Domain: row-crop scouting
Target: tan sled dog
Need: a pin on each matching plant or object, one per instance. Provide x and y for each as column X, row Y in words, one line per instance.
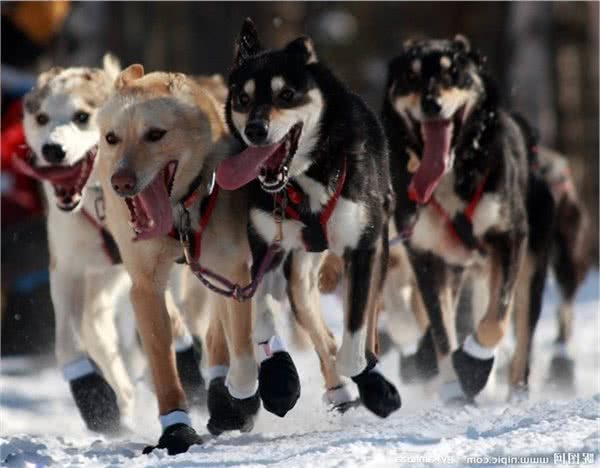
column 161, row 139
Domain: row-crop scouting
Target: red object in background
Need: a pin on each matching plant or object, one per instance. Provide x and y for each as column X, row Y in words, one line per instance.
column 20, row 195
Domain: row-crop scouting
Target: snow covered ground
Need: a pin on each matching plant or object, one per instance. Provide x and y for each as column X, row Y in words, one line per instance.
column 40, row 426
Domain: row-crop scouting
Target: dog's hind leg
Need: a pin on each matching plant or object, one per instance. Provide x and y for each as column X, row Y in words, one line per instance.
column 226, row 412
column 102, row 287
column 304, row 280
column 474, row 360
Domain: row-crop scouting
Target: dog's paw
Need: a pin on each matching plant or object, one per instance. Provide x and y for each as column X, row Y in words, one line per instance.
column 278, row 383
column 188, row 367
column 473, row 373
column 562, row 373
column 177, row 438
column 228, row 413
column 340, row 399
column 97, row 403
column 376, row 393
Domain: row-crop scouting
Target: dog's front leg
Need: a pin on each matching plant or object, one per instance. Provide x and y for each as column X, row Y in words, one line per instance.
column 101, row 336
column 474, row 360
column 362, row 286
column 278, row 379
column 437, row 341
column 154, row 326
column 95, row 399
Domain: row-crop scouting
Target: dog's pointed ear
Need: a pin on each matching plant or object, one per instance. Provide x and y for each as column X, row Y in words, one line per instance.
column 461, row 43
column 111, row 66
column 131, row 73
column 247, row 43
column 45, row 77
column 304, row 47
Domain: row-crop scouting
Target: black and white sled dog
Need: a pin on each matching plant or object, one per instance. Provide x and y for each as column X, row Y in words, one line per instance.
column 317, row 161
column 469, row 206
column 85, row 272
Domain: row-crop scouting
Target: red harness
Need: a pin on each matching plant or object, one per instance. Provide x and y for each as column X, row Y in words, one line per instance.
column 290, row 206
column 109, row 246
column 468, row 213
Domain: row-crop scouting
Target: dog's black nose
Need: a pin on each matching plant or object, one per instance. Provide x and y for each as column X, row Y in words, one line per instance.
column 53, row 153
column 256, row 131
column 430, row 105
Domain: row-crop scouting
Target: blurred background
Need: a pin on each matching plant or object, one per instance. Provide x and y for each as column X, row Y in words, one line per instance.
column 544, row 55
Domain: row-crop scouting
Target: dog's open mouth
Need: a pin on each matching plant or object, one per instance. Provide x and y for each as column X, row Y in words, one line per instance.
column 267, row 163
column 150, row 213
column 438, row 137
column 68, row 181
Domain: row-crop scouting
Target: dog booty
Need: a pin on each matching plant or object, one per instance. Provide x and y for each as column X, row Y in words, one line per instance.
column 176, row 438
column 422, row 365
column 278, row 380
column 472, row 364
column 562, row 373
column 376, row 393
column 97, row 403
column 188, row 368
column 228, row 413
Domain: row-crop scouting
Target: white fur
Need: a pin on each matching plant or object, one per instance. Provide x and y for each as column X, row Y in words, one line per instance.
column 488, row 214
column 277, row 84
column 250, row 88
column 350, row 359
column 445, row 61
column 416, row 66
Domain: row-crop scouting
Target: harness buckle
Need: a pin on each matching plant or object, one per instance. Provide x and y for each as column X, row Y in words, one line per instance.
column 99, row 207
column 185, row 226
column 278, row 216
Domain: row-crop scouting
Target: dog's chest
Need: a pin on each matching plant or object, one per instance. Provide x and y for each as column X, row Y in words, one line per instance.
column 432, row 232
column 343, row 229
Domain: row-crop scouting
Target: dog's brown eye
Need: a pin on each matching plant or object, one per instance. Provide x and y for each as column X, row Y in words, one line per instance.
column 42, row 119
column 286, row 95
column 111, row 138
column 81, row 117
column 243, row 99
column 154, row 134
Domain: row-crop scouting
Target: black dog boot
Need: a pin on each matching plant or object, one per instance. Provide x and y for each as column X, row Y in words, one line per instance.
column 178, row 434
column 94, row 397
column 278, row 381
column 376, row 393
column 421, row 366
column 188, row 367
column 228, row 413
column 562, row 373
column 472, row 364
column 339, row 399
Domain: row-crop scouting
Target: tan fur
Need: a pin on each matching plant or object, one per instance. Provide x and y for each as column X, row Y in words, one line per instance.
column 197, row 138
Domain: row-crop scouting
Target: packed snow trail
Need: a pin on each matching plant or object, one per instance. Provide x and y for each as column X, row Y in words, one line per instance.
column 40, row 426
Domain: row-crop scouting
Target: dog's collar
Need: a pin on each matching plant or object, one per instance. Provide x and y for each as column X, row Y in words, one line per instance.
column 193, row 193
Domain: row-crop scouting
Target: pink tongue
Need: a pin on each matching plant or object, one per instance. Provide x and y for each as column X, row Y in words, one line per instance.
column 434, row 161
column 156, row 204
column 238, row 170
